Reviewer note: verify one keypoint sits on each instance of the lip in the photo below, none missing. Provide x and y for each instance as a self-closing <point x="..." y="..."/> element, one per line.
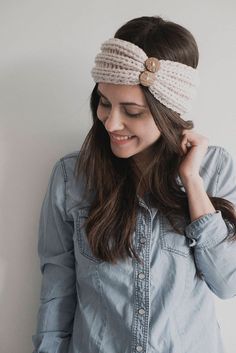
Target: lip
<point x="118" y="134"/>
<point x="121" y="142"/>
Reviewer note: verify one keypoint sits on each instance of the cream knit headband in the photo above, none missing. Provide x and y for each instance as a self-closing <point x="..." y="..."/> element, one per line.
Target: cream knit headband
<point x="172" y="83"/>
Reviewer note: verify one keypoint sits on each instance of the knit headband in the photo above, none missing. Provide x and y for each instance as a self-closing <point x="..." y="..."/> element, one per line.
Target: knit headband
<point x="172" y="83"/>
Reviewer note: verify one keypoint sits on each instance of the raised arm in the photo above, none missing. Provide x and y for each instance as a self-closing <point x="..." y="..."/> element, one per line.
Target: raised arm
<point x="215" y="256"/>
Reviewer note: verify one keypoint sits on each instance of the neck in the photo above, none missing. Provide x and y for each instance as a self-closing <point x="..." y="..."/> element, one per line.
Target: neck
<point x="139" y="171"/>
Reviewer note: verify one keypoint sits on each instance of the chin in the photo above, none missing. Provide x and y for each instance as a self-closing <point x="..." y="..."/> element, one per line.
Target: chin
<point x="122" y="154"/>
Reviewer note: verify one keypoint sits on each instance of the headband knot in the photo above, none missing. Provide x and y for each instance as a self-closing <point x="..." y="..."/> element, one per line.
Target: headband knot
<point x="172" y="83"/>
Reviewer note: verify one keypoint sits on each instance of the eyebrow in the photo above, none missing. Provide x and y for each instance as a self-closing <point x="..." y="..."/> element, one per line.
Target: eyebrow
<point x="122" y="103"/>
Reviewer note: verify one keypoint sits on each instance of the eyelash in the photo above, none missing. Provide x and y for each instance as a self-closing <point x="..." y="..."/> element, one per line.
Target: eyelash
<point x="131" y="115"/>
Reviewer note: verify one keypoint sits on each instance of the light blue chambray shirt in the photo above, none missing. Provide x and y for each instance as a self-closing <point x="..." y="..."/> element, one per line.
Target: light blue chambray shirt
<point x="90" y="306"/>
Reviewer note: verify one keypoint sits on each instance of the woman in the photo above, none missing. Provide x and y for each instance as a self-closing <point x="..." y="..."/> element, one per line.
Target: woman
<point x="137" y="229"/>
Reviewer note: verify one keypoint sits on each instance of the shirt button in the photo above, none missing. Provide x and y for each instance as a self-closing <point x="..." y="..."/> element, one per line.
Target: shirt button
<point x="139" y="348"/>
<point x="141" y="311"/>
<point x="142" y="240"/>
<point x="193" y="242"/>
<point x="141" y="276"/>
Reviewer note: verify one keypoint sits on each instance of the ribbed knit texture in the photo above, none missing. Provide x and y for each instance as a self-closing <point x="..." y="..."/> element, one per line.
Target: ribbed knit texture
<point x="122" y="62"/>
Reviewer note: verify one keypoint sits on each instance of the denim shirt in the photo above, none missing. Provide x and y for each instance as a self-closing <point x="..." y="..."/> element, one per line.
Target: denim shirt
<point x="161" y="306"/>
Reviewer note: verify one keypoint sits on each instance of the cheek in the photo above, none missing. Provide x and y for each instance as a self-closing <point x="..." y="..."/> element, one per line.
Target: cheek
<point x="155" y="135"/>
<point x="153" y="127"/>
<point x="152" y="133"/>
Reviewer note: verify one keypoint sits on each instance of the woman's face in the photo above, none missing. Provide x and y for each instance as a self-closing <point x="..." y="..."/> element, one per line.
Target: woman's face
<point x="126" y="116"/>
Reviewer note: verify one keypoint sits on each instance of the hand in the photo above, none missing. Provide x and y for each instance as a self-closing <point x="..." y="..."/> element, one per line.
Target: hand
<point x="194" y="148"/>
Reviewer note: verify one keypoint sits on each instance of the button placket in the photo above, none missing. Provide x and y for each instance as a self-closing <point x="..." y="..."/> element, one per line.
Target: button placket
<point x="141" y="317"/>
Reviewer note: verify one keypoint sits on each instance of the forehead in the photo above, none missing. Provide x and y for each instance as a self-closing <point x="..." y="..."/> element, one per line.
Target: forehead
<point x="121" y="92"/>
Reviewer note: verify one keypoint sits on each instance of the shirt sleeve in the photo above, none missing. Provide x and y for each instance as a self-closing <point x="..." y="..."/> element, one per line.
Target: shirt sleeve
<point x="214" y="252"/>
<point x="56" y="253"/>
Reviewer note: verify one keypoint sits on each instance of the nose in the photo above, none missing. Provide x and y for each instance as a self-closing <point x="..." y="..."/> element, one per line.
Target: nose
<point x="114" y="122"/>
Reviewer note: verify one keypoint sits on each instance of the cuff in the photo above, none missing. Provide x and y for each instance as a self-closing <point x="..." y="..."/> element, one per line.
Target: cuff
<point x="50" y="342"/>
<point x="207" y="231"/>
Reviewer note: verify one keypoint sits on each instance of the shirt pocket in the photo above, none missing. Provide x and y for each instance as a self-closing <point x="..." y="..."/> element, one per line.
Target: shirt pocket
<point x="81" y="236"/>
<point x="172" y="241"/>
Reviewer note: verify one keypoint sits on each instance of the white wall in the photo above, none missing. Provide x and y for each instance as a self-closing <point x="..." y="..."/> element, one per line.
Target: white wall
<point x="47" y="51"/>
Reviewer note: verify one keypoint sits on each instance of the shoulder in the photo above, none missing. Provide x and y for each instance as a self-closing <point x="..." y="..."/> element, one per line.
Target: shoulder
<point x="74" y="186"/>
<point x="214" y="159"/>
<point x="219" y="173"/>
<point x="63" y="168"/>
<point x="217" y="165"/>
<point x="68" y="164"/>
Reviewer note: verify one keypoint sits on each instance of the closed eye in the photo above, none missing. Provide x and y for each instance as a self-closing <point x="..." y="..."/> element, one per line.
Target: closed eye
<point x="130" y="115"/>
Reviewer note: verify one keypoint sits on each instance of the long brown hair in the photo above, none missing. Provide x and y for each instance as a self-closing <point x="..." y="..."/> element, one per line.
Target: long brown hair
<point x="112" y="215"/>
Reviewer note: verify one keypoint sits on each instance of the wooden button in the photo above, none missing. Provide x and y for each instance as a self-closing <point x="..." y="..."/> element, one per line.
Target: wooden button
<point x="147" y="78"/>
<point x="152" y="64"/>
